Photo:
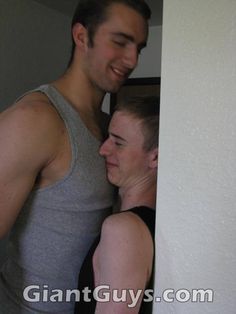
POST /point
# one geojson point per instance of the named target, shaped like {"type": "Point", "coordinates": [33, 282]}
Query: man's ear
{"type": "Point", "coordinates": [153, 158]}
{"type": "Point", "coordinates": [80, 36]}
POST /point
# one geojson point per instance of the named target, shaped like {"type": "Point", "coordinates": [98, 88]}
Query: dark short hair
{"type": "Point", "coordinates": [91, 13]}
{"type": "Point", "coordinates": [147, 109]}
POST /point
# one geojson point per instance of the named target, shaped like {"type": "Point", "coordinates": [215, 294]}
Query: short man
{"type": "Point", "coordinates": [54, 192]}
{"type": "Point", "coordinates": [122, 257]}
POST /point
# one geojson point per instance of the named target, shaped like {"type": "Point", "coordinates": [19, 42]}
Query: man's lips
{"type": "Point", "coordinates": [110, 164]}
{"type": "Point", "coordinates": [121, 73]}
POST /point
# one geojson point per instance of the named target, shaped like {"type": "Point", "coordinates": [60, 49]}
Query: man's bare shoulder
{"type": "Point", "coordinates": [127, 228]}
{"type": "Point", "coordinates": [30, 106]}
{"type": "Point", "coordinates": [34, 113]}
{"type": "Point", "coordinates": [34, 126]}
{"type": "Point", "coordinates": [29, 141]}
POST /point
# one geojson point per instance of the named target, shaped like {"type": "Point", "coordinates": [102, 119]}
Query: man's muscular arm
{"type": "Point", "coordinates": [123, 260]}
{"type": "Point", "coordinates": [28, 142]}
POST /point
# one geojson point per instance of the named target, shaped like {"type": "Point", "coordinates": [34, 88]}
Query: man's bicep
{"type": "Point", "coordinates": [122, 269]}
{"type": "Point", "coordinates": [15, 187]}
{"type": "Point", "coordinates": [121, 266]}
{"type": "Point", "coordinates": [20, 163]}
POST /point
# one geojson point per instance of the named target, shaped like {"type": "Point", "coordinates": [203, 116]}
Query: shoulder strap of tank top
{"type": "Point", "coordinates": [147, 215]}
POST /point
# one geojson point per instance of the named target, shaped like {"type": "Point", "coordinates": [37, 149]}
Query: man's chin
{"type": "Point", "coordinates": [111, 179]}
{"type": "Point", "coordinates": [115, 89]}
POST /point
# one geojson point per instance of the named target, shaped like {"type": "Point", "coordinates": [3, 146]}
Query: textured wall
{"type": "Point", "coordinates": [196, 216]}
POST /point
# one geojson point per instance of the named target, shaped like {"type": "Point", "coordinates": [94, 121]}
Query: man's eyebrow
{"type": "Point", "coordinates": [130, 38]}
{"type": "Point", "coordinates": [117, 137]}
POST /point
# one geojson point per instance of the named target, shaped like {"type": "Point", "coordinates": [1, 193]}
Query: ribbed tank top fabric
{"type": "Point", "coordinates": [57, 223]}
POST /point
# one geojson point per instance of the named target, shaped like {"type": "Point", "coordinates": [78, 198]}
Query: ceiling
{"type": "Point", "coordinates": [67, 7]}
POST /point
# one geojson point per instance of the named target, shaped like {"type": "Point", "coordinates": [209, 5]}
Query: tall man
{"type": "Point", "coordinates": [54, 192]}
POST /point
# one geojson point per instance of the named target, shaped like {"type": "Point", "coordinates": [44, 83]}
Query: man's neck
{"type": "Point", "coordinates": [85, 99]}
{"type": "Point", "coordinates": [138, 196]}
{"type": "Point", "coordinates": [75, 87]}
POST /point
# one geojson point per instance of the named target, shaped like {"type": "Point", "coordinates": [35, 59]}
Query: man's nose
{"type": "Point", "coordinates": [131, 57]}
{"type": "Point", "coordinates": [105, 148]}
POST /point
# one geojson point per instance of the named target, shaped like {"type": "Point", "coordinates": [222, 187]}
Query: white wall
{"type": "Point", "coordinates": [196, 216]}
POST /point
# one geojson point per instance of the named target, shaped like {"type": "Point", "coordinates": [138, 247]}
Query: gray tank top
{"type": "Point", "coordinates": [57, 225]}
